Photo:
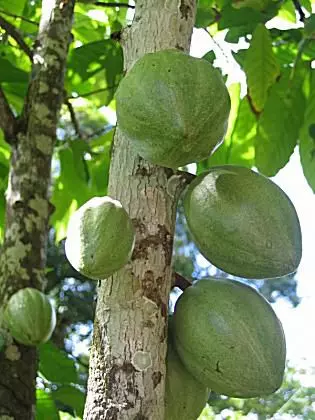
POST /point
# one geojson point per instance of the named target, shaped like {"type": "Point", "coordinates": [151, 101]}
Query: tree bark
{"type": "Point", "coordinates": [127, 363]}
{"type": "Point", "coordinates": [23, 256]}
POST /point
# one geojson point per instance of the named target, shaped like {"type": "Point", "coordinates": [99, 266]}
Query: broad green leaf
{"type": "Point", "coordinates": [261, 67]}
{"type": "Point", "coordinates": [241, 150]}
{"type": "Point", "coordinates": [210, 56]}
{"type": "Point", "coordinates": [307, 137]}
{"type": "Point", "coordinates": [253, 4]}
{"type": "Point", "coordinates": [279, 123]}
{"type": "Point", "coordinates": [231, 17]}
{"type": "Point", "coordinates": [86, 29]}
{"type": "Point", "coordinates": [205, 14]}
{"type": "Point", "coordinates": [287, 11]}
{"type": "Point", "coordinates": [13, 6]}
{"type": "Point", "coordinates": [309, 26]}
{"type": "Point", "coordinates": [45, 406]}
{"type": "Point", "coordinates": [70, 396]}
{"type": "Point", "coordinates": [56, 366]}
{"type": "Point", "coordinates": [307, 4]}
{"type": "Point", "coordinates": [11, 74]}
{"type": "Point", "coordinates": [234, 34]}
{"type": "Point", "coordinates": [93, 57]}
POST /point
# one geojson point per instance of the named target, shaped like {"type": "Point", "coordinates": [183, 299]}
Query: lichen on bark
{"type": "Point", "coordinates": [22, 260]}
{"type": "Point", "coordinates": [127, 364]}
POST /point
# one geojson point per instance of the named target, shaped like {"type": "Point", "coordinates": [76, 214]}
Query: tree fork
{"type": "Point", "coordinates": [23, 254]}
{"type": "Point", "coordinates": [127, 364]}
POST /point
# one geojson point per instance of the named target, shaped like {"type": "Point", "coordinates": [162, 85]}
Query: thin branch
{"type": "Point", "coordinates": [93, 92]}
{"type": "Point", "coordinates": [299, 9]}
{"type": "Point", "coordinates": [113, 4]}
{"type": "Point", "coordinates": [180, 281]}
{"type": "Point", "coordinates": [4, 12]}
{"type": "Point", "coordinates": [7, 118]}
{"type": "Point", "coordinates": [14, 33]}
{"type": "Point", "coordinates": [73, 117]}
{"type": "Point", "coordinates": [218, 46]}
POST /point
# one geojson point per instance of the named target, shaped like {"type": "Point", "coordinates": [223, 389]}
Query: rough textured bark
{"type": "Point", "coordinates": [22, 259]}
{"type": "Point", "coordinates": [127, 365]}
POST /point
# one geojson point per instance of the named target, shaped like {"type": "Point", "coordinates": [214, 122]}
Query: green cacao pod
{"type": "Point", "coordinates": [185, 397]}
{"type": "Point", "coordinates": [229, 338]}
{"type": "Point", "coordinates": [30, 317]}
{"type": "Point", "coordinates": [173, 107]}
{"type": "Point", "coordinates": [243, 223]}
{"type": "Point", "coordinates": [100, 238]}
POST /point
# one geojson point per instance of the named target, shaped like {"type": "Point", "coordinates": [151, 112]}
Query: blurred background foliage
{"type": "Point", "coordinates": [279, 73]}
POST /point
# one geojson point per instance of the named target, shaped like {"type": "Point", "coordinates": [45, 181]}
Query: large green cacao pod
{"type": "Point", "coordinates": [229, 338]}
{"type": "Point", "coordinates": [30, 317]}
{"type": "Point", "coordinates": [185, 397]}
{"type": "Point", "coordinates": [100, 238]}
{"type": "Point", "coordinates": [243, 223]}
{"type": "Point", "coordinates": [173, 107]}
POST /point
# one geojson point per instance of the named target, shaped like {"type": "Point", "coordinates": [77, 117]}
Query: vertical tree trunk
{"type": "Point", "coordinates": [127, 365]}
{"type": "Point", "coordinates": [22, 260]}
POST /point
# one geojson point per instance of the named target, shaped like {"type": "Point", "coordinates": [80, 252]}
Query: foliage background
{"type": "Point", "coordinates": [273, 114]}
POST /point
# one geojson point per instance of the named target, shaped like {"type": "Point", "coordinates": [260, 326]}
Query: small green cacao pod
{"type": "Point", "coordinates": [243, 223]}
{"type": "Point", "coordinates": [185, 397]}
{"type": "Point", "coordinates": [30, 317]}
{"type": "Point", "coordinates": [229, 338]}
{"type": "Point", "coordinates": [100, 238]}
{"type": "Point", "coordinates": [174, 108]}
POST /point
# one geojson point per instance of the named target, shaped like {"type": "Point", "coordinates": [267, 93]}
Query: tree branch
{"type": "Point", "coordinates": [113, 4]}
{"type": "Point", "coordinates": [73, 118]}
{"type": "Point", "coordinates": [14, 33]}
{"type": "Point", "coordinates": [180, 282]}
{"type": "Point", "coordinates": [299, 9]}
{"type": "Point", "coordinates": [85, 95]}
{"type": "Point", "coordinates": [7, 118]}
{"type": "Point", "coordinates": [4, 12]}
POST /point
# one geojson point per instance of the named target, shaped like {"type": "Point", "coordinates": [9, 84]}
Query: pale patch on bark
{"type": "Point", "coordinates": [22, 261]}
{"type": "Point", "coordinates": [12, 353]}
{"type": "Point", "coordinates": [43, 144]}
{"type": "Point", "coordinates": [142, 360]}
{"type": "Point", "coordinates": [40, 205]}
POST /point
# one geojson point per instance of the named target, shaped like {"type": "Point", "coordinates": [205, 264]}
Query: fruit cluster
{"type": "Point", "coordinates": [224, 335]}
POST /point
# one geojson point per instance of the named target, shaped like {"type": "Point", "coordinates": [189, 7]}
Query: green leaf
{"type": "Point", "coordinates": [11, 74]}
{"type": "Point", "coordinates": [287, 11]}
{"type": "Point", "coordinates": [72, 397]}
{"type": "Point", "coordinates": [45, 406]}
{"type": "Point", "coordinates": [231, 17]}
{"type": "Point", "coordinates": [13, 6]}
{"type": "Point", "coordinates": [279, 123]}
{"type": "Point", "coordinates": [309, 26]}
{"type": "Point", "coordinates": [307, 4]}
{"type": "Point", "coordinates": [307, 137]}
{"type": "Point", "coordinates": [93, 57]}
{"type": "Point", "coordinates": [56, 366]}
{"type": "Point", "coordinates": [261, 67]}
{"type": "Point", "coordinates": [210, 56]}
{"type": "Point", "coordinates": [238, 146]}
{"type": "Point", "coordinates": [205, 14]}
{"type": "Point", "coordinates": [241, 150]}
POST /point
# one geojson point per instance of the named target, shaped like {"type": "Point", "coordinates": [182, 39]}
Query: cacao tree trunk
{"type": "Point", "coordinates": [32, 137]}
{"type": "Point", "coordinates": [127, 363]}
